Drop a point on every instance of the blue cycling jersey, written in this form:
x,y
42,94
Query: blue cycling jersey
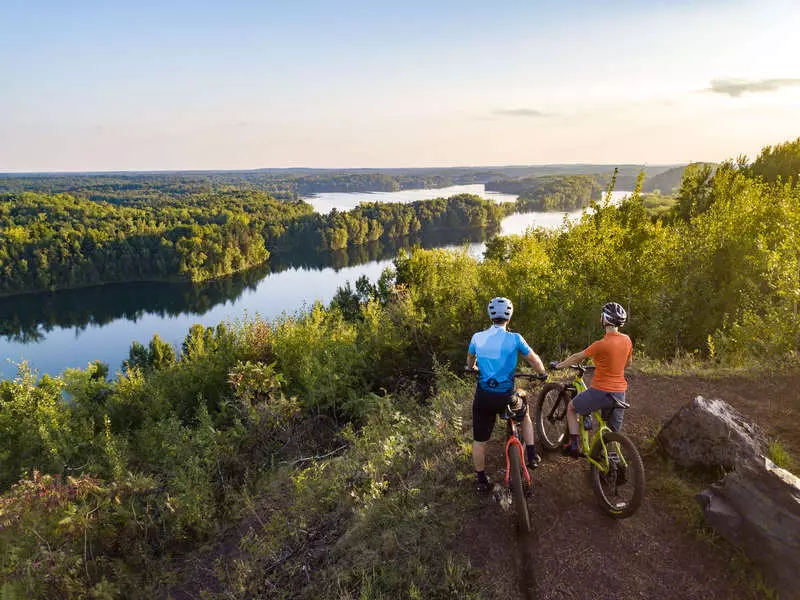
x,y
496,350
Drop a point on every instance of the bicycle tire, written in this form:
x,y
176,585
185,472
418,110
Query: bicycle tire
x,y
547,436
518,491
634,473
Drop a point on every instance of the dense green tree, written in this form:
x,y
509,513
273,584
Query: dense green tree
x,y
696,193
778,162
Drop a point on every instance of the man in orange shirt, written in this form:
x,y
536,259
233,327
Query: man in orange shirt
x,y
610,355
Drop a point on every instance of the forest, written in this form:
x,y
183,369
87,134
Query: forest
x,y
104,494
290,184
58,241
552,192
86,230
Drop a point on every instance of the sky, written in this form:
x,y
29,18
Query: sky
x,y
92,85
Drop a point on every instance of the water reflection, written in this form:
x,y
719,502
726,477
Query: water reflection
x,y
28,319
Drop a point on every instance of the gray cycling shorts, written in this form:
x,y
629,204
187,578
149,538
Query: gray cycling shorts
x,y
594,399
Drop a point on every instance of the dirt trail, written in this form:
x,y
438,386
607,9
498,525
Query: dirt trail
x,y
576,552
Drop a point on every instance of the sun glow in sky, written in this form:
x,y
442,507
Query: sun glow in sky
x,y
91,85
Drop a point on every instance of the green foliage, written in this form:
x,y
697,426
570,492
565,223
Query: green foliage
x,y
658,206
382,509
319,357
75,537
781,162
695,195
780,456
670,180
34,426
158,355
258,387
59,241
551,192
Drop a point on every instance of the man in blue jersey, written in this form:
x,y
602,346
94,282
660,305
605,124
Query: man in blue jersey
x,y
495,351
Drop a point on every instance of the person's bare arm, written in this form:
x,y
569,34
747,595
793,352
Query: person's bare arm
x,y
533,360
572,360
471,358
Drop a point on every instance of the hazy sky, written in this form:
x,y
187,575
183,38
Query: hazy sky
x,y
194,84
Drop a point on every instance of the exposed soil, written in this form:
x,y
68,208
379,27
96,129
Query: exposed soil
x,y
576,552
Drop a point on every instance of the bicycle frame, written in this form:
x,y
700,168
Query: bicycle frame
x,y
588,445
513,440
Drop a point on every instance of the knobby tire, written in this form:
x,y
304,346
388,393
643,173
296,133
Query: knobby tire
x,y
518,491
551,441
635,472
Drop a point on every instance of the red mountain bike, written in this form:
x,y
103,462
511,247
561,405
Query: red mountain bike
x,y
518,480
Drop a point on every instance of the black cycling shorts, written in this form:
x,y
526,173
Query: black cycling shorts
x,y
485,408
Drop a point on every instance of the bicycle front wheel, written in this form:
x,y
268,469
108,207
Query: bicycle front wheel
x,y
621,489
518,490
551,416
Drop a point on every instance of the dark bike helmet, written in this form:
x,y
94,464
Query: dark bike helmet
x,y
613,314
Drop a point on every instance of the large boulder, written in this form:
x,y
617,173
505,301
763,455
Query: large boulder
x,y
711,433
757,507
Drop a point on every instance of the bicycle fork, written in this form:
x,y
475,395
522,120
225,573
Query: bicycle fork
x,y
513,440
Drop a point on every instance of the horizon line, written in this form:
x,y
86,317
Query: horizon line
x,y
333,169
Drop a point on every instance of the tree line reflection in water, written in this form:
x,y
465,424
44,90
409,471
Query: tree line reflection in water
x,y
28,318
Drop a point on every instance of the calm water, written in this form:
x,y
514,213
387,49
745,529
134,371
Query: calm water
x,y
72,328
323,203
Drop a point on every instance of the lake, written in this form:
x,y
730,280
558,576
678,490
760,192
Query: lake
x,y
74,327
342,201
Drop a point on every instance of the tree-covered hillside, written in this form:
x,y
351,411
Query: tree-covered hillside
x,y
551,192
50,242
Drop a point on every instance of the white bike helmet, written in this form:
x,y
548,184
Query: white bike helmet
x,y
500,308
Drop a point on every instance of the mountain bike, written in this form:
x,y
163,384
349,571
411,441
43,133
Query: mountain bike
x,y
518,482
616,467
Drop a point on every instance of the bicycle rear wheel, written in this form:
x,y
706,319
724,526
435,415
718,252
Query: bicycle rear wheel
x,y
621,489
518,491
551,416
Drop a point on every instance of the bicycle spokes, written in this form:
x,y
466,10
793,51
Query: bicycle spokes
x,y
558,413
617,475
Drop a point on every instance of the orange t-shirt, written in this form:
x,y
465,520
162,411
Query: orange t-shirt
x,y
610,355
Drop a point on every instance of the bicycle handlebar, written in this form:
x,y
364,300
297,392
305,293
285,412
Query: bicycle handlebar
x,y
579,368
539,376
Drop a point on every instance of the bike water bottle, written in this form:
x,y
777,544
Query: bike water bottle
x,y
587,422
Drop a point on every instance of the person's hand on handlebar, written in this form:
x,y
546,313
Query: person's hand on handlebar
x,y
571,360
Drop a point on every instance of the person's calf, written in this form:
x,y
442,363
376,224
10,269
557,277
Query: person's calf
x,y
478,455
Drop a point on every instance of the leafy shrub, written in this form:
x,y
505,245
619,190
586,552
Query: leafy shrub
x,y
75,537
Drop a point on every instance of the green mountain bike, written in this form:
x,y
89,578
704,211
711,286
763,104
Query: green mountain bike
x,y
616,466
